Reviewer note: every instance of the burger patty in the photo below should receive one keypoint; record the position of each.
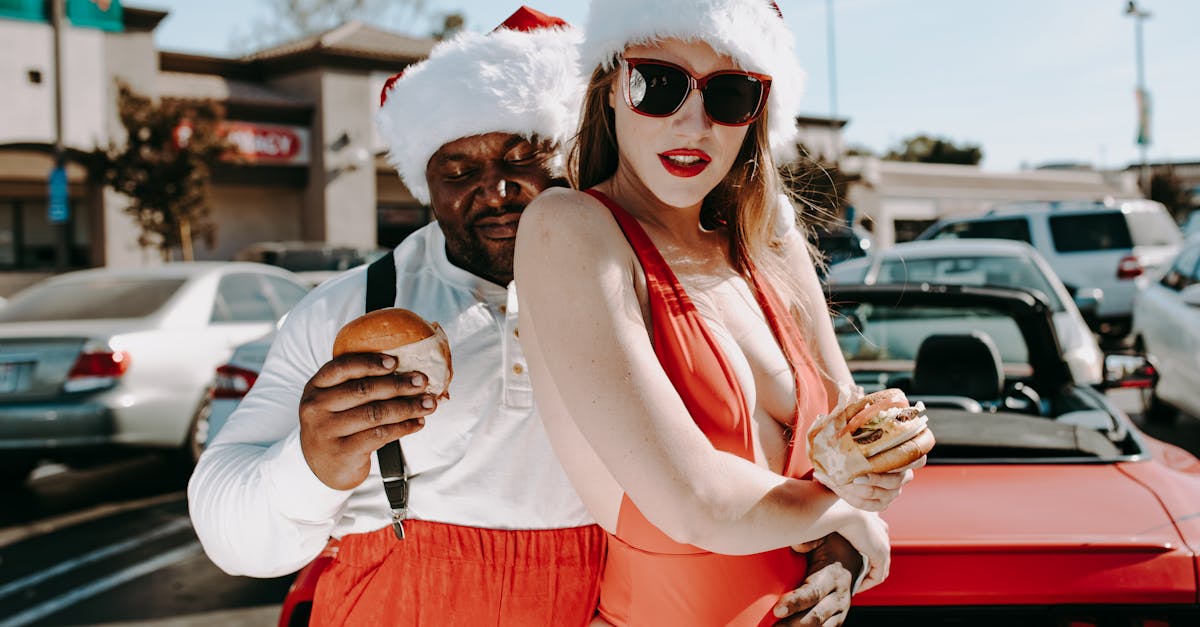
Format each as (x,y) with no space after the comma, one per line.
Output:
(867,437)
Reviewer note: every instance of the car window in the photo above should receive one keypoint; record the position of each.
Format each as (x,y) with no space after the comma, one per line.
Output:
(1153,228)
(94,298)
(1012,228)
(839,245)
(1090,231)
(240,298)
(1184,270)
(286,294)
(994,271)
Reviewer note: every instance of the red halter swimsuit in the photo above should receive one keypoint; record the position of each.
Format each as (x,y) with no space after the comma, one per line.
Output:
(648,578)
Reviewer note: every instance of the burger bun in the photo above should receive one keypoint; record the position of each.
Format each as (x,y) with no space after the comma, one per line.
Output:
(417,344)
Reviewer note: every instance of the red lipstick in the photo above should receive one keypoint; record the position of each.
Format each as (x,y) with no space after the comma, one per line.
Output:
(684,162)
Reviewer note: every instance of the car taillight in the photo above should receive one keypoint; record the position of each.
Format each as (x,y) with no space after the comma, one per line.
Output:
(1130,267)
(96,368)
(233,382)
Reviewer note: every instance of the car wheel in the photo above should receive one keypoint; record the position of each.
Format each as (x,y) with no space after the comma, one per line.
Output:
(14,473)
(198,433)
(185,457)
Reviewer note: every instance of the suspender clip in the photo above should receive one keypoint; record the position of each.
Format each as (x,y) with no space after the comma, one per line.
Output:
(398,516)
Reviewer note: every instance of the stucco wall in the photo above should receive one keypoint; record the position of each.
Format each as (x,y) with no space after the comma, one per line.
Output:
(29,107)
(246,214)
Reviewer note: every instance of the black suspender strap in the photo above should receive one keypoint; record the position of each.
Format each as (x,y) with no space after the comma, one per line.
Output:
(381,293)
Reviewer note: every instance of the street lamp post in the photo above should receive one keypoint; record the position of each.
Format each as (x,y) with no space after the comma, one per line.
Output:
(832,59)
(58,208)
(1143,96)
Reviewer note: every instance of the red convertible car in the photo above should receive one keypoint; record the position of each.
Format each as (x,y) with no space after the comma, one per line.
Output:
(1042,503)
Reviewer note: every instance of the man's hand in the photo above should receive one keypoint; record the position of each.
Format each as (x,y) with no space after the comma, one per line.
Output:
(351,407)
(823,599)
(872,492)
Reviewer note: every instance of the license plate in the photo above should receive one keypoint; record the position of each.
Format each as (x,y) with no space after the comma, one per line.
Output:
(14,376)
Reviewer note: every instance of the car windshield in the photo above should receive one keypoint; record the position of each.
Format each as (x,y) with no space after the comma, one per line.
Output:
(1009,422)
(880,334)
(93,298)
(993,271)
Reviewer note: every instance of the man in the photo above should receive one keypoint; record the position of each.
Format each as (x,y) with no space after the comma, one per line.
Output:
(494,531)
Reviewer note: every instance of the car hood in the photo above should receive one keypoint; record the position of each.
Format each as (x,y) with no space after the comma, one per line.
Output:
(75,328)
(1032,534)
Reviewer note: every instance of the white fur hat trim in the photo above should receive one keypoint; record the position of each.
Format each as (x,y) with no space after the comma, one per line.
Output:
(507,81)
(750,31)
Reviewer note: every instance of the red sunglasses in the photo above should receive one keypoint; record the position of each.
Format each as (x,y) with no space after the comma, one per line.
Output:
(658,89)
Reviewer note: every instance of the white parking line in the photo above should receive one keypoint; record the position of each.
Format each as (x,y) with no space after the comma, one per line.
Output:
(51,606)
(12,535)
(99,554)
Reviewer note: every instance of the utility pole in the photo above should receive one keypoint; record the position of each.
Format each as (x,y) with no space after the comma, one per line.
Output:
(832,59)
(58,211)
(1143,96)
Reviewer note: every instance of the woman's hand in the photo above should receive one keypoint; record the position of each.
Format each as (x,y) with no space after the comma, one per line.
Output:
(869,534)
(872,492)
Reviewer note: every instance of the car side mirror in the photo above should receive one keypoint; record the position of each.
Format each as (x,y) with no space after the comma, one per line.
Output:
(1125,370)
(1191,295)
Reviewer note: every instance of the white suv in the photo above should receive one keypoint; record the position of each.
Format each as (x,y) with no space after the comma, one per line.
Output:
(1110,245)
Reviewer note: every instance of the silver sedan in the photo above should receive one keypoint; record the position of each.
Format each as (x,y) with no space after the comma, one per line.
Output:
(104,360)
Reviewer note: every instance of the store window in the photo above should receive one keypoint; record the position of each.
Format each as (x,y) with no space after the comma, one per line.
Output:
(29,241)
(908,230)
(397,221)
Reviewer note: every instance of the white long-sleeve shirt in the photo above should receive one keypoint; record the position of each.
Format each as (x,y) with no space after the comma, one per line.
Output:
(482,459)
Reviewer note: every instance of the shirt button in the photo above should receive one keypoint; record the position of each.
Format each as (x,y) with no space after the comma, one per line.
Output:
(518,369)
(503,308)
(517,333)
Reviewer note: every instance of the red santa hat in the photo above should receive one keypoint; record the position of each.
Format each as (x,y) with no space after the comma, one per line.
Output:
(751,31)
(521,78)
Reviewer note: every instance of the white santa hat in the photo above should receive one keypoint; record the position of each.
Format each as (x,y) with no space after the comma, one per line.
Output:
(522,78)
(751,31)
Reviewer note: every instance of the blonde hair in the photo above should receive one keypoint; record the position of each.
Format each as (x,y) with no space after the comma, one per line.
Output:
(745,201)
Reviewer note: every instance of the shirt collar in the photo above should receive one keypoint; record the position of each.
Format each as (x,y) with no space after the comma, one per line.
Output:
(483,289)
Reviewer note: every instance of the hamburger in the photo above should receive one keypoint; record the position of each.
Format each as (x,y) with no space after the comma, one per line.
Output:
(878,433)
(417,345)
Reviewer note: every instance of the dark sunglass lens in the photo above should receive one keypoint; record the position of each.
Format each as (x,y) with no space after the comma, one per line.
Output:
(656,89)
(732,98)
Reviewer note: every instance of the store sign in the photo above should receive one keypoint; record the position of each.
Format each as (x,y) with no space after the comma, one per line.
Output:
(102,14)
(268,144)
(24,9)
(57,209)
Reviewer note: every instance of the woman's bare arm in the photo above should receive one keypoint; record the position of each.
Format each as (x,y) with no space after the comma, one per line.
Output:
(588,349)
(875,492)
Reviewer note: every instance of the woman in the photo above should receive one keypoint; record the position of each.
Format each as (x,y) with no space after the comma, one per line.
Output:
(676,361)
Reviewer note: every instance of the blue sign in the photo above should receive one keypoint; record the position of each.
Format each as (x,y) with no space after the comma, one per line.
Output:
(59,211)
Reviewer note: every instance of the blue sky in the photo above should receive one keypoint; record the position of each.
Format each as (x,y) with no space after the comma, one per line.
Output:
(1032,81)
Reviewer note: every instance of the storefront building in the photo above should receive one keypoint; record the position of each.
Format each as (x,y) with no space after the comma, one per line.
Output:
(308,165)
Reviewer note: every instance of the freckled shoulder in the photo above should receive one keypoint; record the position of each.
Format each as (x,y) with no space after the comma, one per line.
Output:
(569,216)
